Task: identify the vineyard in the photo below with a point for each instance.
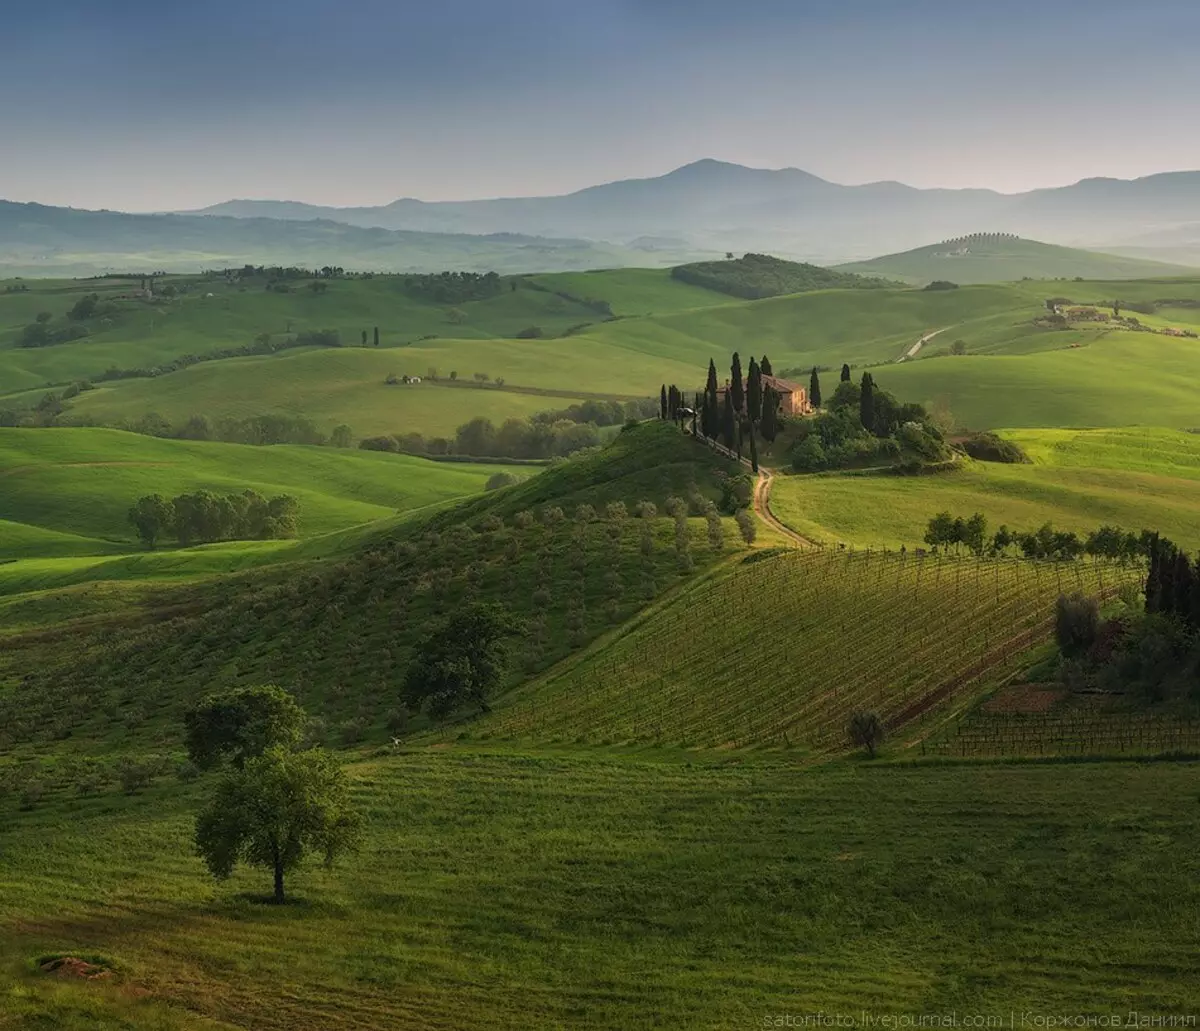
(1075, 730)
(785, 649)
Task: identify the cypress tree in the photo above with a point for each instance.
(866, 404)
(376, 336)
(728, 423)
(364, 338)
(769, 427)
(737, 386)
(753, 451)
(845, 373)
(814, 389)
(710, 387)
(765, 366)
(754, 393)
(662, 402)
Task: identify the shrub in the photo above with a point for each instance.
(379, 444)
(988, 447)
(498, 480)
(1076, 623)
(736, 493)
(865, 731)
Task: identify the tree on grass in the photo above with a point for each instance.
(462, 662)
(276, 809)
(865, 731)
(866, 402)
(746, 525)
(376, 336)
(814, 388)
(1076, 623)
(153, 517)
(845, 374)
(241, 723)
(754, 394)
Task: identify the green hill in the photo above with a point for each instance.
(68, 490)
(755, 276)
(1080, 479)
(1001, 257)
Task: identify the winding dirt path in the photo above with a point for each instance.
(762, 506)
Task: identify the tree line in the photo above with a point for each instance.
(204, 517)
(1109, 542)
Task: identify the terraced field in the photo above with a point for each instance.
(783, 650)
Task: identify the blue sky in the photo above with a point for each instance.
(143, 106)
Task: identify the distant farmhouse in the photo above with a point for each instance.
(793, 398)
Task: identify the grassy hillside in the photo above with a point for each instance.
(996, 258)
(601, 890)
(1134, 478)
(67, 491)
(633, 291)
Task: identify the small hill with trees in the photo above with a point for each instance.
(754, 276)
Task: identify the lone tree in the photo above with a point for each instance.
(242, 723)
(865, 731)
(845, 373)
(153, 517)
(376, 336)
(276, 809)
(814, 388)
(462, 662)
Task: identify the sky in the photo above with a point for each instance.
(142, 106)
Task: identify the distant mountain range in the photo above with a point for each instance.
(699, 211)
(36, 240)
(714, 206)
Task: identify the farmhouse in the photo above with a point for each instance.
(793, 398)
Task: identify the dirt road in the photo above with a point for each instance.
(913, 351)
(762, 506)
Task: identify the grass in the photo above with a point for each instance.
(991, 259)
(71, 488)
(605, 890)
(1131, 477)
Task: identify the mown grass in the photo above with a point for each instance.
(1131, 477)
(606, 890)
(66, 491)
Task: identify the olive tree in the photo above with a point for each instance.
(274, 810)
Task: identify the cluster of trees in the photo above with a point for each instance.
(1109, 542)
(754, 276)
(42, 332)
(276, 801)
(453, 287)
(549, 434)
(863, 424)
(596, 304)
(748, 408)
(205, 517)
(1153, 654)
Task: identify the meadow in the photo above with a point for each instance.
(1131, 477)
(66, 492)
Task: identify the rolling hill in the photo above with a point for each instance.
(1002, 257)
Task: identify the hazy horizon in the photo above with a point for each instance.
(140, 108)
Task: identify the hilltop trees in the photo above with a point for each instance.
(462, 662)
(278, 807)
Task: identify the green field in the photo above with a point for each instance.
(604, 890)
(66, 492)
(1134, 478)
(986, 258)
